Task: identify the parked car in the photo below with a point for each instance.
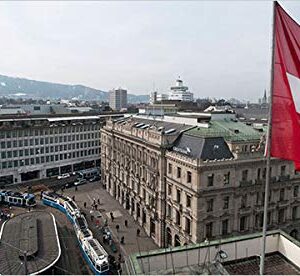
(65, 175)
(79, 182)
(95, 178)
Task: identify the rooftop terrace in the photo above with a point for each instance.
(236, 255)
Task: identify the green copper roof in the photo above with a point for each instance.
(229, 129)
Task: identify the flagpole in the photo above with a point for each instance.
(268, 151)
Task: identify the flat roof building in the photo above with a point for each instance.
(118, 99)
(37, 148)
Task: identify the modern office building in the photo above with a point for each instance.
(36, 148)
(118, 99)
(190, 177)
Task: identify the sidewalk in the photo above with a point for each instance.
(87, 193)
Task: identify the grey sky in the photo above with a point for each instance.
(220, 49)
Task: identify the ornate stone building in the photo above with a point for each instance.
(188, 178)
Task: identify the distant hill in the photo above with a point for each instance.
(25, 88)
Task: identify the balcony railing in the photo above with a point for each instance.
(244, 183)
(284, 178)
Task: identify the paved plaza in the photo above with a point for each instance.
(94, 191)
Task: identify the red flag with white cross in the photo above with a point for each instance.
(285, 132)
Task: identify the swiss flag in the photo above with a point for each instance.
(285, 134)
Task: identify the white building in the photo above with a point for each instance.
(180, 92)
(36, 148)
(118, 99)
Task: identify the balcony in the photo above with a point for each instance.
(245, 183)
(283, 178)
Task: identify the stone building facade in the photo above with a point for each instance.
(195, 178)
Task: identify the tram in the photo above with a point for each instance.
(93, 253)
(17, 199)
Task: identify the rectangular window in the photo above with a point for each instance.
(178, 222)
(170, 168)
(210, 205)
(188, 226)
(189, 177)
(296, 191)
(210, 180)
(295, 213)
(169, 190)
(188, 201)
(281, 216)
(244, 201)
(243, 221)
(264, 173)
(244, 175)
(178, 196)
(281, 194)
(209, 230)
(282, 170)
(269, 222)
(226, 202)
(169, 211)
(225, 227)
(258, 173)
(178, 172)
(226, 178)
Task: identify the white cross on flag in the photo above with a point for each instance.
(285, 120)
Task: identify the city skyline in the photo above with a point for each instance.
(99, 45)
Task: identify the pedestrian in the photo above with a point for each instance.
(96, 206)
(41, 195)
(76, 188)
(138, 232)
(126, 223)
(117, 227)
(94, 201)
(98, 201)
(119, 269)
(122, 240)
(84, 204)
(111, 216)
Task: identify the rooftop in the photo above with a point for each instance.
(235, 255)
(275, 264)
(164, 127)
(230, 129)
